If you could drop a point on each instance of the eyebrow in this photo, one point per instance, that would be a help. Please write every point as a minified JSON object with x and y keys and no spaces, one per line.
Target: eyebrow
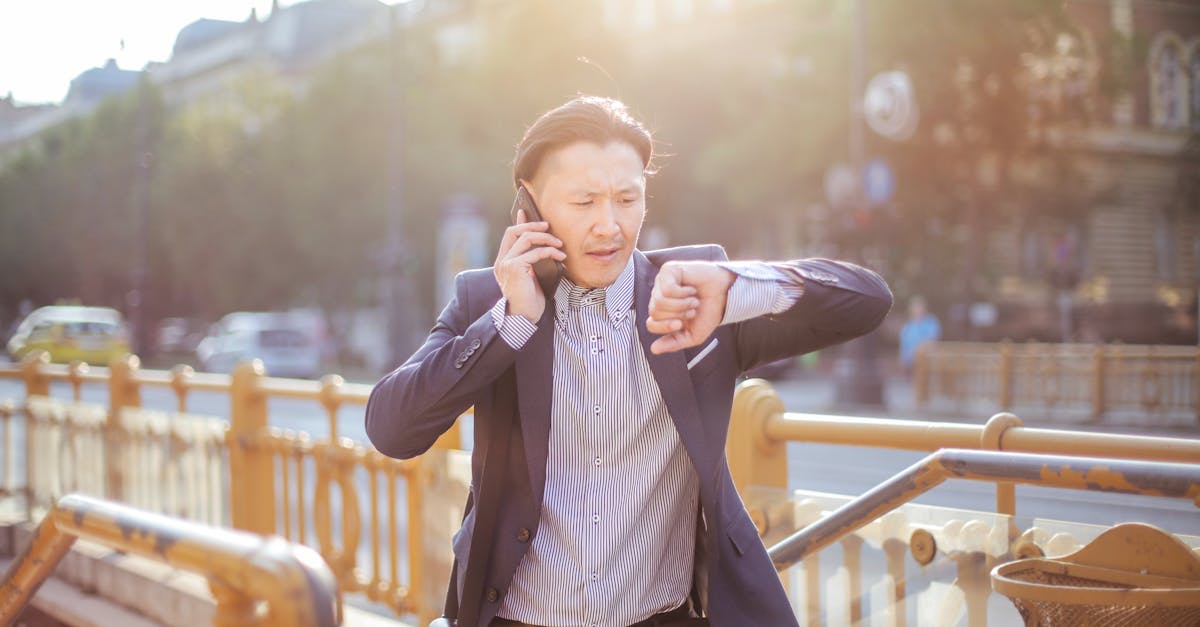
{"x":587,"y":191}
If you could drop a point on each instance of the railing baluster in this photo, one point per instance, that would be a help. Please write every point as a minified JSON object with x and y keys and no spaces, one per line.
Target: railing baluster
{"x":812,"y":589}
{"x":852,"y":560}
{"x":393,"y":523}
{"x":301,"y":514}
{"x":372,"y":465}
{"x":282,"y":450}
{"x":6,"y":412}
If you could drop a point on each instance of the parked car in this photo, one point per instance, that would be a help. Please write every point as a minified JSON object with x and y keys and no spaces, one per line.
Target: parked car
{"x":180,"y":335}
{"x":285,"y":344}
{"x":96,"y":335}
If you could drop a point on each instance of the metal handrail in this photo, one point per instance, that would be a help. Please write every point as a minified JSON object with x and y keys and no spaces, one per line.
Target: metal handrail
{"x":1080,"y":473}
{"x":242,"y":568}
{"x":1004,"y":429}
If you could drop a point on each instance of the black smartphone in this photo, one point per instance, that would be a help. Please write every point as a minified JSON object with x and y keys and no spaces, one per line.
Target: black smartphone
{"x":548,"y":271}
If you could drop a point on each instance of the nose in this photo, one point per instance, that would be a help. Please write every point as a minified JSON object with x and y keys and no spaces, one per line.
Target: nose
{"x":606,"y":220}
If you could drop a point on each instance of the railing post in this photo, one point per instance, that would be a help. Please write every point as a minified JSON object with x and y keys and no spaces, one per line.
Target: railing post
{"x":251,"y":468}
{"x":36,"y":382}
{"x":755,"y":459}
{"x":123,"y":391}
{"x":431,"y":508}
{"x":1098,"y":388}
{"x":992,"y":439}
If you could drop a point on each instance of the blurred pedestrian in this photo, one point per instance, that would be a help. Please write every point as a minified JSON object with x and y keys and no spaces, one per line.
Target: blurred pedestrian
{"x":922,"y":326}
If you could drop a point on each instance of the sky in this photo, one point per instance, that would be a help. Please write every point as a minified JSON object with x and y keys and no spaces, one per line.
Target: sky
{"x":46,"y":43}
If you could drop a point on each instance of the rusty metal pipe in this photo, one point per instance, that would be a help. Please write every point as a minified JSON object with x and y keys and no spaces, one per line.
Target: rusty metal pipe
{"x":294,"y":581}
{"x":30,"y":569}
{"x":1080,"y":473}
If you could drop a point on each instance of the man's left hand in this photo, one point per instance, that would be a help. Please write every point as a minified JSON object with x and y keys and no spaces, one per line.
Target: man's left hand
{"x":687,"y":304}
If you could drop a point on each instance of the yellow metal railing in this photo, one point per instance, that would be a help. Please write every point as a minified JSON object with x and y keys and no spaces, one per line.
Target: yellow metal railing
{"x":182,"y":465}
{"x":289,"y":482}
{"x":1095,"y":380}
{"x":758,"y":455}
{"x":951,"y":551}
{"x":1059,"y":471}
{"x":242,"y":568}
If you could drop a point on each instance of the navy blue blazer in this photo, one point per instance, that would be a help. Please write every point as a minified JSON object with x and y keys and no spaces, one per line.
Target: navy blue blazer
{"x":465,"y":363}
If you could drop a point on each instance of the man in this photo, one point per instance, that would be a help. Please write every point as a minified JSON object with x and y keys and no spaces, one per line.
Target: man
{"x":601,"y":409}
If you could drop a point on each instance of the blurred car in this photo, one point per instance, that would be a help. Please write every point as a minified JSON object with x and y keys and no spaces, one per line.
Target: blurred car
{"x":96,"y":335}
{"x":180,"y":335}
{"x":284,"y":343}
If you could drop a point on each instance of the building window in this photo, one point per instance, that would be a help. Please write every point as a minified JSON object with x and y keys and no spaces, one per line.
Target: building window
{"x":1169,"y":88}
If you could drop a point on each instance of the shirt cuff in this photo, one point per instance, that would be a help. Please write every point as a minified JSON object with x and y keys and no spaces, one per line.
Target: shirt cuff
{"x":514,"y":330}
{"x":758,"y":290}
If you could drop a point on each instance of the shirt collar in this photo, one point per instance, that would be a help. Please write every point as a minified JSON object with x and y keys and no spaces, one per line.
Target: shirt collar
{"x":617,"y":298}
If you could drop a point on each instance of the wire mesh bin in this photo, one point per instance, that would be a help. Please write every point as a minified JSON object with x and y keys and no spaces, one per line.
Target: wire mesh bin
{"x":1131,"y":575}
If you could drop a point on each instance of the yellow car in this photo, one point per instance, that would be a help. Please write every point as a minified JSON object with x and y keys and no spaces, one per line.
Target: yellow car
{"x":96,"y":335}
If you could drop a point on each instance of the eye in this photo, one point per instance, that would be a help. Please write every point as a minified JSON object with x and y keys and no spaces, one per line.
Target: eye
{"x":582,"y":203}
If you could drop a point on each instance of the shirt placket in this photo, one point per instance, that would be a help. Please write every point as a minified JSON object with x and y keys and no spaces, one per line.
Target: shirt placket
{"x":596,"y":413}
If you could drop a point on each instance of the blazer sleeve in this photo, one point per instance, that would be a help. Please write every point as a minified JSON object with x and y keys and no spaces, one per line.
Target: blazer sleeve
{"x":841,"y":301}
{"x":411,"y":406}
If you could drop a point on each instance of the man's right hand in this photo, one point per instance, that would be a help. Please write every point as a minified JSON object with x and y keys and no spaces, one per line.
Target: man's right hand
{"x":524,"y":244}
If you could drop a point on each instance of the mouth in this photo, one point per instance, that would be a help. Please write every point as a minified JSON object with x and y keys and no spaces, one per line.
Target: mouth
{"x":604,"y":255}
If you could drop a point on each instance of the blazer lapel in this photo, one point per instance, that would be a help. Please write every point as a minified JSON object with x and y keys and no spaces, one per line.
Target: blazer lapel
{"x":535,"y":378}
{"x":671,"y":374}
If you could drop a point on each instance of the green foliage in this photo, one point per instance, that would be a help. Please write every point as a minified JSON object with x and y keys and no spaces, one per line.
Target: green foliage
{"x":266,"y":196}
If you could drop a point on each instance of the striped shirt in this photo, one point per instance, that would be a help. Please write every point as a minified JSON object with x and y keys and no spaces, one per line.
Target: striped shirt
{"x":616,"y":540}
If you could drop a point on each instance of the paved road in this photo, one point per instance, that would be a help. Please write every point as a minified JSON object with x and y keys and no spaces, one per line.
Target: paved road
{"x":818,"y":467}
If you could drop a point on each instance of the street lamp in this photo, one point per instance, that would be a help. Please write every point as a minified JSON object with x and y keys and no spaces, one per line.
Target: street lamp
{"x":856,"y":375}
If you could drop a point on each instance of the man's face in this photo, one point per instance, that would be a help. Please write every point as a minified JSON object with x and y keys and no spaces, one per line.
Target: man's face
{"x":594,"y":198}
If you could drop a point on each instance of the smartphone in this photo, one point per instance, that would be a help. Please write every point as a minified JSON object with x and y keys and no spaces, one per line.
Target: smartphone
{"x":548,"y":271}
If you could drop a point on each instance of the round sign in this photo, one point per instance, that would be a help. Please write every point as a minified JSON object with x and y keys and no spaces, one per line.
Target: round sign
{"x":890,"y":106}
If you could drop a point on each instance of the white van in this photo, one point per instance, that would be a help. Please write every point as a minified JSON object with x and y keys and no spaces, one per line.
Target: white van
{"x":286,"y":343}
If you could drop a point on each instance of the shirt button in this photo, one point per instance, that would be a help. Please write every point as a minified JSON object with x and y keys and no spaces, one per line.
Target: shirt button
{"x":596,"y":408}
{"x":523,"y":535}
{"x":596,"y":518}
{"x":493,"y":595}
{"x":597,"y":461}
{"x":595,"y":338}
{"x":595,"y":351}
{"x":595,"y":576}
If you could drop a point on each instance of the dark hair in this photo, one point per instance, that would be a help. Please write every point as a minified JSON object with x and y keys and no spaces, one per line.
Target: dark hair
{"x":584,"y":118}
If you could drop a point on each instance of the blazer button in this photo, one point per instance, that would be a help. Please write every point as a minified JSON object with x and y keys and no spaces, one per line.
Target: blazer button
{"x":493,"y":595}
{"x":475,"y":343}
{"x":523,"y":535}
